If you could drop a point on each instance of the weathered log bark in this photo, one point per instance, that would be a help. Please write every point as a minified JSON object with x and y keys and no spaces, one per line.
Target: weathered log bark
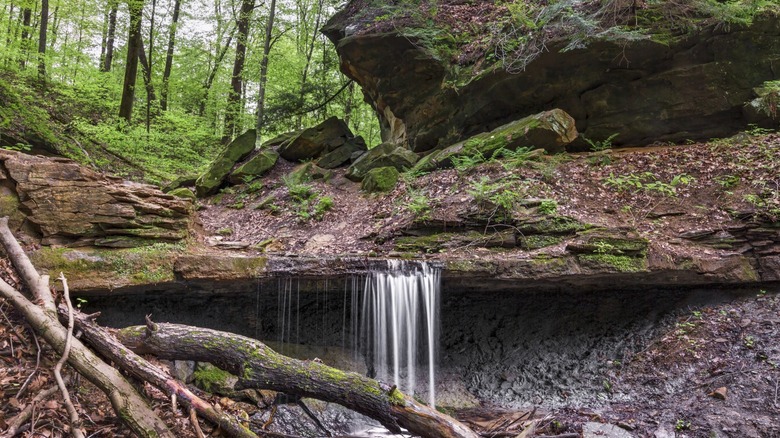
{"x":105,"y":343}
{"x":128,"y":405}
{"x":257,"y":366}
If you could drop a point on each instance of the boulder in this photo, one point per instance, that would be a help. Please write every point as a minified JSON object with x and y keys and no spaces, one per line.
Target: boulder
{"x":381,"y":179}
{"x":183,"y":192}
{"x":256,"y":166}
{"x":312,"y":142}
{"x":342,"y":154}
{"x":71,"y":204}
{"x":182,"y":181}
{"x":384,"y":155}
{"x":210,"y":181}
{"x":550,"y":130}
{"x":640,"y":88}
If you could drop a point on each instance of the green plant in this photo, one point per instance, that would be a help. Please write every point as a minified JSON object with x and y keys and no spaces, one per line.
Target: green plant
{"x":513,"y":159}
{"x":419,"y":205}
{"x":548,"y":206}
{"x":323,"y":205}
{"x":647,"y":182}
{"x":225,"y":231}
{"x":465,"y":162}
{"x":682,"y":424}
{"x":727,"y":181}
{"x":600,"y":145}
{"x":749,"y":342}
{"x":237,"y":205}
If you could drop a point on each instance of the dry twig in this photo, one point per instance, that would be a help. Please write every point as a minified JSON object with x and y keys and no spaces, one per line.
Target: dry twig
{"x":75,"y":423}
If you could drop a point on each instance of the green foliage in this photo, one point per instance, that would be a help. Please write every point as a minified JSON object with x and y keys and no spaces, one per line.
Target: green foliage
{"x":647,"y":182}
{"x":419,"y":205}
{"x":306,"y":202}
{"x":728,"y":181}
{"x":323,"y":205}
{"x":600,"y":145}
{"x":548,"y":206}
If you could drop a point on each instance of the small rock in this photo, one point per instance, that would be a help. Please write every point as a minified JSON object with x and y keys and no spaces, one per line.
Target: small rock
{"x":719,"y":393}
{"x":599,"y":430}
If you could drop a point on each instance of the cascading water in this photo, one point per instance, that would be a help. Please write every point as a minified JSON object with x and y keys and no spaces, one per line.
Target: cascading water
{"x":399,"y":324}
{"x":389,"y":319}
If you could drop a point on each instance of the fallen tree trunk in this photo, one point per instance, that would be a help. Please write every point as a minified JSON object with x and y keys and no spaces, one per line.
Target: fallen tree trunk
{"x":127,"y":403}
{"x":257,"y":366}
{"x":105,"y":343}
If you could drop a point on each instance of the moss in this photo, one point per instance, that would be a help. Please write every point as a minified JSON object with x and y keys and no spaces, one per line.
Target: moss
{"x":211,"y":378}
{"x":9,"y":206}
{"x":550,"y":225}
{"x":380,"y":179}
{"x":539,"y":241}
{"x":250,"y":266}
{"x":396,"y":397}
{"x":183,"y":192}
{"x":619,"y":263}
{"x":143,"y":265}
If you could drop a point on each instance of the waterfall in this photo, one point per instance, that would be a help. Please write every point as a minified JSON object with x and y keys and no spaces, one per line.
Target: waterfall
{"x":387,"y":318}
{"x":399,"y":324}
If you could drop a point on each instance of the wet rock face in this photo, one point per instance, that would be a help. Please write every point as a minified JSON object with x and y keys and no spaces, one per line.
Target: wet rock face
{"x":642,"y":90}
{"x":69,"y":203}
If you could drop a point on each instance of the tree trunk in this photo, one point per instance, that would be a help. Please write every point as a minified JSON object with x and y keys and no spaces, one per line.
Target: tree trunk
{"x":26,"y":16}
{"x":213,"y":73}
{"x":257,"y":366}
{"x":42,"y":40}
{"x":309,"y":53}
{"x":128,"y":405}
{"x":105,"y":343}
{"x":109,"y":58}
{"x":169,"y":55}
{"x":349,"y":103}
{"x":232,"y":111}
{"x":55,"y":23}
{"x":131,"y":67}
{"x":269,"y":27}
{"x":148,"y":68}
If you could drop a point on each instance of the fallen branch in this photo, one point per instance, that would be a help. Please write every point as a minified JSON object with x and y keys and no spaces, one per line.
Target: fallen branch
{"x":127,"y":403}
{"x":105,"y":343}
{"x":75,"y":423}
{"x":257,"y":366}
{"x":15,"y":423}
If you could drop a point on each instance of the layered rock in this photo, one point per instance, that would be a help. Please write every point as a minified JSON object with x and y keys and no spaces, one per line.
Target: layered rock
{"x":71,"y":204}
{"x":211,"y":180}
{"x":645,"y":91}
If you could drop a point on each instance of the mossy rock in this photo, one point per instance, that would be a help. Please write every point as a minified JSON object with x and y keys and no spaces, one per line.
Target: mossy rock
{"x":613,"y":263}
{"x":182,"y":181}
{"x":550,"y":130}
{"x":381,"y":179}
{"x":437,"y":242}
{"x":342,"y":154}
{"x":210,"y":181}
{"x":538,"y":241}
{"x":602,"y":242}
{"x":214,"y":380}
{"x":384,"y":155}
{"x":312,"y":142}
{"x":183,"y":192}
{"x":550,"y":225}
{"x":256,"y":166}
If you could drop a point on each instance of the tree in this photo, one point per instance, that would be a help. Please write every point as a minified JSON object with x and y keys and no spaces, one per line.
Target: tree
{"x":136,"y":8}
{"x":44,"y":25}
{"x":108,"y":58}
{"x":269,"y":27}
{"x":233,"y":109}
{"x":169,"y":55}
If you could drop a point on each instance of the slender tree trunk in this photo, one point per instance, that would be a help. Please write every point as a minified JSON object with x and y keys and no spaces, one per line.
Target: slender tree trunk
{"x":109,"y":58}
{"x":213,"y":73}
{"x":234,"y":96}
{"x":146,"y":71}
{"x":148,"y":68}
{"x":269,"y":27}
{"x":79,"y":49}
{"x":349,"y":103}
{"x":42,"y":40}
{"x":26,"y":16}
{"x":169,"y":55}
{"x":103,"y":40}
{"x":9,"y":33}
{"x":309,"y":53}
{"x":55,"y":23}
{"x":131,"y":67}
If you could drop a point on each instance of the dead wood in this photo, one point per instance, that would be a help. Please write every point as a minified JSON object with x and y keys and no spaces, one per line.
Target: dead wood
{"x":257,"y":366}
{"x":127,"y":403}
{"x":15,"y":424}
{"x":107,"y":345}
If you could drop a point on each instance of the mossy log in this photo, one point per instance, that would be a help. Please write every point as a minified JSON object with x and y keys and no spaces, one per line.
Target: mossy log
{"x":105,"y":343}
{"x":127,"y":403}
{"x":258,"y":366}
